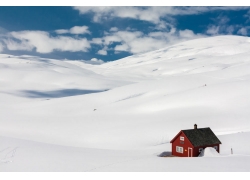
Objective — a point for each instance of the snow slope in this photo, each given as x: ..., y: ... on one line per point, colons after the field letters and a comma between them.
x: 71, y: 116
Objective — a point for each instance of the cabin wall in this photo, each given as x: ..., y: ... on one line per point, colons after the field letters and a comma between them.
x: 186, y: 144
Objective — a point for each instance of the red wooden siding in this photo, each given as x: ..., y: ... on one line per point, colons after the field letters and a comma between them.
x: 177, y: 142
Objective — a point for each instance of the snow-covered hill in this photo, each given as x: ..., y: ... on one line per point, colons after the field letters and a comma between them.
x: 120, y: 115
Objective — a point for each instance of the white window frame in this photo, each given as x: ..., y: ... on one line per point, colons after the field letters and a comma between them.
x: 179, y: 149
x: 181, y: 138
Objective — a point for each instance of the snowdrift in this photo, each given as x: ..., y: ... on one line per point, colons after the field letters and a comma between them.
x: 209, y: 152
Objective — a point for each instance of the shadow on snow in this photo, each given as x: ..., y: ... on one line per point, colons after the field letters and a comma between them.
x: 58, y: 93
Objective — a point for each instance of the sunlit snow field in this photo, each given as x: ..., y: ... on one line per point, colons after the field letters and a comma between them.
x: 58, y: 115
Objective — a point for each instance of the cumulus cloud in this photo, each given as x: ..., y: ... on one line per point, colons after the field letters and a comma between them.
x: 152, y: 14
x: 110, y: 39
x: 130, y: 41
x: 74, y: 30
x: 102, y: 52
x: 163, y: 25
x: 44, y: 43
x: 79, y: 30
x: 14, y: 45
x: 97, y: 41
x: 122, y: 47
x: 186, y: 33
x: 123, y: 12
x: 95, y: 61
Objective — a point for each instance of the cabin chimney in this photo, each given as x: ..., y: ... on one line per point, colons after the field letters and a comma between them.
x: 195, y: 126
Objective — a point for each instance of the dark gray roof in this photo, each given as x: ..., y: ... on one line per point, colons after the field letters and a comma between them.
x: 201, y: 137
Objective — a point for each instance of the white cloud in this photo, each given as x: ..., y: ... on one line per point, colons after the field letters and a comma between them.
x: 62, y: 31
x: 79, y: 30
x: 222, y: 29
x: 113, y: 29
x: 213, y: 30
x: 137, y: 42
x: 152, y: 14
x: 129, y: 36
x: 221, y: 20
x: 1, y: 47
x: 122, y: 47
x: 244, y: 30
x: 110, y: 39
x: 230, y: 29
x: 186, y: 33
x: 221, y: 26
x: 146, y: 44
x: 163, y: 35
x: 96, y: 41
x: 122, y: 12
x: 165, y: 25
x: 247, y: 15
x: 44, y: 43
x: 102, y: 52
x: 96, y: 61
x: 128, y: 41
x: 93, y: 61
x: 74, y: 30
x: 23, y: 45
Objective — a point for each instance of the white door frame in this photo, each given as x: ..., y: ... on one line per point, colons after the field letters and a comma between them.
x: 191, y: 152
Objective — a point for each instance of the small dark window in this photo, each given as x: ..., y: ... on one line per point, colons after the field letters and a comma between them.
x: 181, y: 142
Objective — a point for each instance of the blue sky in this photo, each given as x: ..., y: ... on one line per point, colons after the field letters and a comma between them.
x: 98, y: 34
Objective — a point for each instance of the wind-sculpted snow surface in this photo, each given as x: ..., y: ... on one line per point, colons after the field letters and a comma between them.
x: 119, y: 116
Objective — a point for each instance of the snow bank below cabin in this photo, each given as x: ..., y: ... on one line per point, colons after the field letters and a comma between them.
x: 209, y: 152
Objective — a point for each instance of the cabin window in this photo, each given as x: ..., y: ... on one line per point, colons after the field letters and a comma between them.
x: 182, y: 138
x: 181, y: 142
x: 179, y: 149
x: 215, y: 147
x: 200, y: 149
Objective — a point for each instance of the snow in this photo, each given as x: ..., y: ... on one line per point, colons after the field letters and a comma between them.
x: 60, y: 115
x: 209, y: 152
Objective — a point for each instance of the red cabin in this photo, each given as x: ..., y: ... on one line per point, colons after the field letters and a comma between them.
x: 190, y: 142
